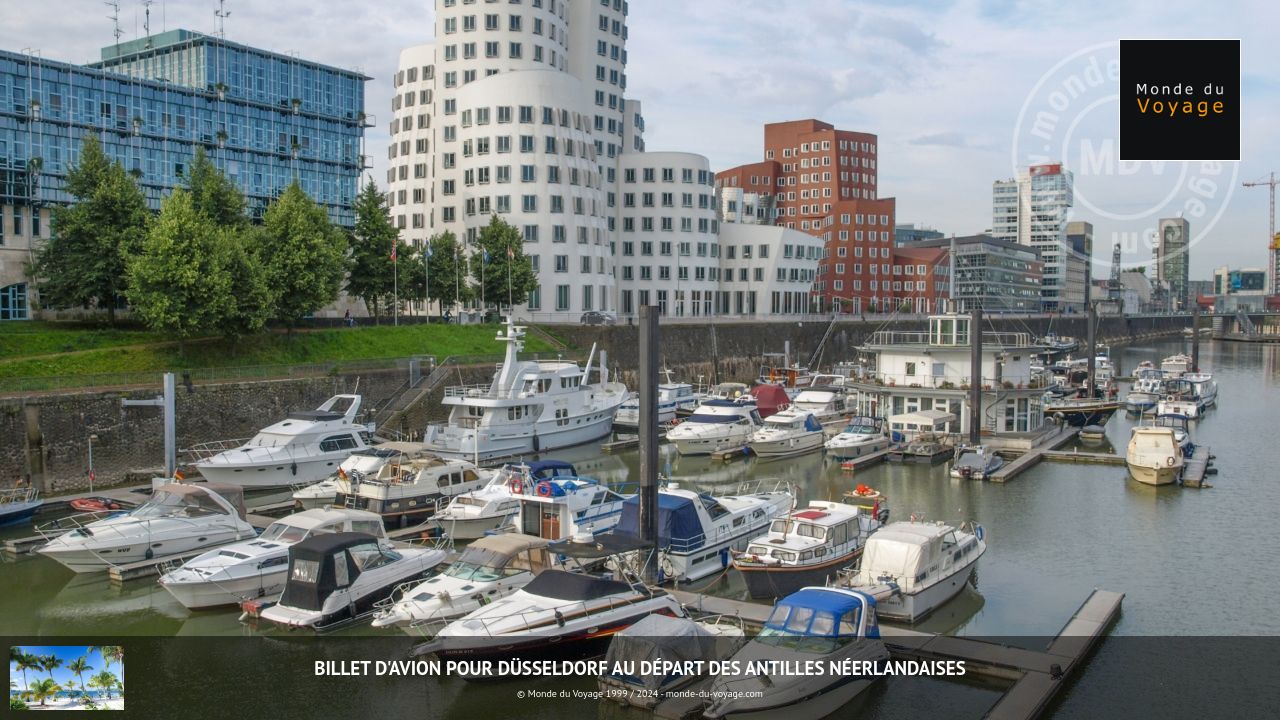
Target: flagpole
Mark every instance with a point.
(395, 270)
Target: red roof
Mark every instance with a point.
(810, 514)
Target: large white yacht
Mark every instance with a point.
(790, 432)
(697, 533)
(305, 447)
(531, 406)
(912, 568)
(716, 425)
(258, 567)
(177, 519)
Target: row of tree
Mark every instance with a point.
(43, 689)
(201, 267)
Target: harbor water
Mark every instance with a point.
(1054, 533)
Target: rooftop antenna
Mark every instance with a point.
(146, 20)
(223, 13)
(114, 17)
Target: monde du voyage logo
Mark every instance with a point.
(1180, 99)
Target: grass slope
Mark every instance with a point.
(110, 351)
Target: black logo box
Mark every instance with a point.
(1205, 73)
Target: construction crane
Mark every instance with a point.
(1273, 247)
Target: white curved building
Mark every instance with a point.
(411, 168)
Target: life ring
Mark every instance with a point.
(543, 489)
(516, 484)
(1171, 460)
(1170, 398)
(864, 491)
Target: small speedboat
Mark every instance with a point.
(660, 638)
(336, 578)
(975, 462)
(179, 518)
(714, 426)
(18, 504)
(815, 624)
(862, 436)
(790, 432)
(258, 567)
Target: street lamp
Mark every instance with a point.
(92, 437)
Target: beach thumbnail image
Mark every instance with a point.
(66, 677)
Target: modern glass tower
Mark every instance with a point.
(264, 118)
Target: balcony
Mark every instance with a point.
(921, 338)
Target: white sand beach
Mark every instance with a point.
(75, 704)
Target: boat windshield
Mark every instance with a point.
(481, 565)
(808, 630)
(168, 504)
(802, 529)
(266, 439)
(709, 419)
(283, 532)
(861, 429)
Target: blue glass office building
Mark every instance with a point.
(265, 119)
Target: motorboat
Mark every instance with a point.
(258, 567)
(1153, 456)
(975, 462)
(18, 504)
(815, 624)
(717, 425)
(829, 404)
(409, 492)
(488, 569)
(178, 518)
(336, 578)
(1181, 431)
(530, 406)
(862, 436)
(565, 614)
(912, 568)
(698, 532)
(790, 432)
(729, 391)
(660, 639)
(1058, 345)
(555, 503)
(1078, 412)
(673, 399)
(494, 506)
(1203, 387)
(1145, 392)
(362, 463)
(792, 378)
(1181, 399)
(305, 447)
(1175, 365)
(806, 547)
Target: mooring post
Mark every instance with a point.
(648, 377)
(975, 370)
(1195, 337)
(1092, 319)
(170, 427)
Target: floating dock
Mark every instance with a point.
(1036, 676)
(1197, 467)
(626, 443)
(1031, 457)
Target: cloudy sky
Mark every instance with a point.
(942, 82)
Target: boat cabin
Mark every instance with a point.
(909, 426)
(324, 564)
(829, 617)
(914, 555)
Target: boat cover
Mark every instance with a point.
(821, 612)
(315, 565)
(664, 638)
(198, 494)
(770, 398)
(563, 585)
(544, 469)
(677, 519)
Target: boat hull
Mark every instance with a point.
(85, 559)
(18, 512)
(848, 452)
(574, 644)
(470, 528)
(277, 473)
(708, 444)
(1079, 417)
(197, 595)
(548, 438)
(766, 582)
(1155, 475)
(787, 446)
(910, 608)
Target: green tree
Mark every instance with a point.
(304, 255)
(84, 262)
(178, 283)
(106, 680)
(213, 193)
(80, 666)
(504, 246)
(49, 663)
(371, 273)
(252, 300)
(447, 269)
(43, 690)
(23, 661)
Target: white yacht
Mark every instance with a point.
(806, 547)
(697, 533)
(1203, 387)
(473, 514)
(821, 625)
(789, 432)
(828, 402)
(305, 447)
(408, 492)
(862, 436)
(673, 398)
(18, 504)
(557, 504)
(716, 425)
(912, 568)
(531, 406)
(975, 462)
(336, 578)
(258, 567)
(1154, 456)
(1145, 392)
(558, 613)
(1183, 398)
(490, 568)
(1175, 365)
(362, 463)
(179, 518)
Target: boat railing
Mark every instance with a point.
(15, 495)
(478, 390)
(81, 521)
(205, 450)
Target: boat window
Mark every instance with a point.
(784, 555)
(366, 555)
(334, 443)
(167, 504)
(274, 562)
(739, 521)
(714, 509)
(824, 623)
(340, 574)
(283, 532)
(799, 619)
(806, 555)
(849, 623)
(841, 534)
(371, 527)
(305, 571)
(470, 476)
(231, 553)
(778, 526)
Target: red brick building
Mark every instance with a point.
(823, 181)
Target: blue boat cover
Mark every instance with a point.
(819, 611)
(677, 520)
(811, 424)
(543, 469)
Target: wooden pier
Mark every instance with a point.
(875, 458)
(1031, 457)
(1197, 467)
(1036, 676)
(626, 443)
(731, 454)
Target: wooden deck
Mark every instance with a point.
(1032, 457)
(626, 443)
(1036, 676)
(1197, 467)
